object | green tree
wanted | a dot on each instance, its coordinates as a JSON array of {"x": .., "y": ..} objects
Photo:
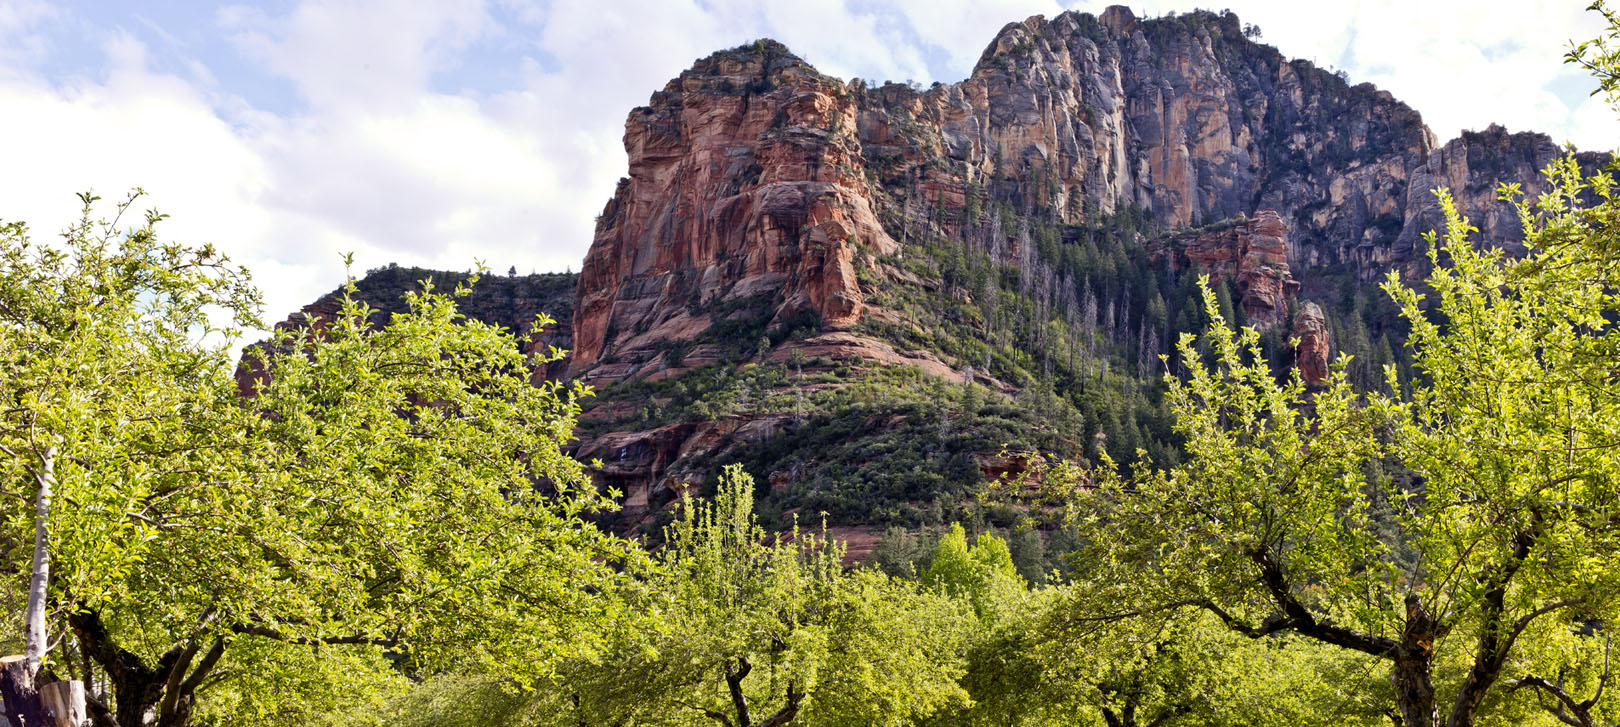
[
  {"x": 983, "y": 575},
  {"x": 1045, "y": 663},
  {"x": 1493, "y": 479},
  {"x": 391, "y": 489},
  {"x": 754, "y": 630},
  {"x": 899, "y": 553}
]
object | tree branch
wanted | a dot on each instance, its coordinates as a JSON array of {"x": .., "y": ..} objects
[
  {"x": 734, "y": 682},
  {"x": 119, "y": 663},
  {"x": 1603, "y": 681},
  {"x": 272, "y": 633},
  {"x": 711, "y": 714},
  {"x": 209, "y": 660},
  {"x": 171, "y": 685},
  {"x": 788, "y": 711},
  {"x": 1495, "y": 642},
  {"x": 1295, "y": 617},
  {"x": 1556, "y": 692}
]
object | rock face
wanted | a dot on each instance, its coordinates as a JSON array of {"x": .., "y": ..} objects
[
  {"x": 1253, "y": 254},
  {"x": 1311, "y": 355},
  {"x": 746, "y": 183},
  {"x": 1007, "y": 230},
  {"x": 652, "y": 468},
  {"x": 755, "y": 178}
]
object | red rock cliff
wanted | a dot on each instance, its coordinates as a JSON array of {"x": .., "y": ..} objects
[
  {"x": 754, "y": 177},
  {"x": 746, "y": 183},
  {"x": 1311, "y": 355},
  {"x": 1252, "y": 253}
]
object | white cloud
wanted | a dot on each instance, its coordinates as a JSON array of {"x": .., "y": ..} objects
[
  {"x": 20, "y": 38},
  {"x": 1597, "y": 119},
  {"x": 370, "y": 54},
  {"x": 133, "y": 129},
  {"x": 962, "y": 33}
]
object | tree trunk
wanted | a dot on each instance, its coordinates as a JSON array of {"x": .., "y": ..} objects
[
  {"x": 35, "y": 640},
  {"x": 734, "y": 680},
  {"x": 137, "y": 687},
  {"x": 65, "y": 704},
  {"x": 1414, "y": 690},
  {"x": 23, "y": 705},
  {"x": 1412, "y": 672},
  {"x": 31, "y": 703},
  {"x": 20, "y": 677}
]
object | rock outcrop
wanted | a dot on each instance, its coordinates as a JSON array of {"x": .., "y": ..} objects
[
  {"x": 746, "y": 183},
  {"x": 754, "y": 177},
  {"x": 651, "y": 468},
  {"x": 1311, "y": 354},
  {"x": 1252, "y": 253}
]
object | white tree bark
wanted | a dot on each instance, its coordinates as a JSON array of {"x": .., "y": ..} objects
[{"x": 35, "y": 638}]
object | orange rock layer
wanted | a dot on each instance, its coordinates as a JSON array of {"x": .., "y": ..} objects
[{"x": 1253, "y": 254}]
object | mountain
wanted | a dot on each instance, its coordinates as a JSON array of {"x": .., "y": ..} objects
[
  {"x": 880, "y": 298},
  {"x": 510, "y": 301}
]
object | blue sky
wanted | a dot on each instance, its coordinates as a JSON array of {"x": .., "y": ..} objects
[{"x": 440, "y": 133}]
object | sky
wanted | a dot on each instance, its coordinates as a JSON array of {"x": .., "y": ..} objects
[{"x": 444, "y": 134}]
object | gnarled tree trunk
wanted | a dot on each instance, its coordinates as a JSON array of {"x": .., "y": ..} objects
[
  {"x": 739, "y": 701},
  {"x": 1412, "y": 672}
]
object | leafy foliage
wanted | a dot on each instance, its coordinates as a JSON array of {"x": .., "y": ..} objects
[
  {"x": 1510, "y": 439},
  {"x": 755, "y": 629},
  {"x": 396, "y": 490}
]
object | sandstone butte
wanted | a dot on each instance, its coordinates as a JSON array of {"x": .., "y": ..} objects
[
  {"x": 756, "y": 180},
  {"x": 752, "y": 174}
]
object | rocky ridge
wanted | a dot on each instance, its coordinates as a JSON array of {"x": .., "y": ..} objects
[
  {"x": 752, "y": 174},
  {"x": 1253, "y": 254},
  {"x": 509, "y": 301},
  {"x": 775, "y": 219}
]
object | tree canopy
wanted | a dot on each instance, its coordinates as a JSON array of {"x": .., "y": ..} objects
[
  {"x": 758, "y": 630},
  {"x": 393, "y": 488},
  {"x": 1432, "y": 529}
]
